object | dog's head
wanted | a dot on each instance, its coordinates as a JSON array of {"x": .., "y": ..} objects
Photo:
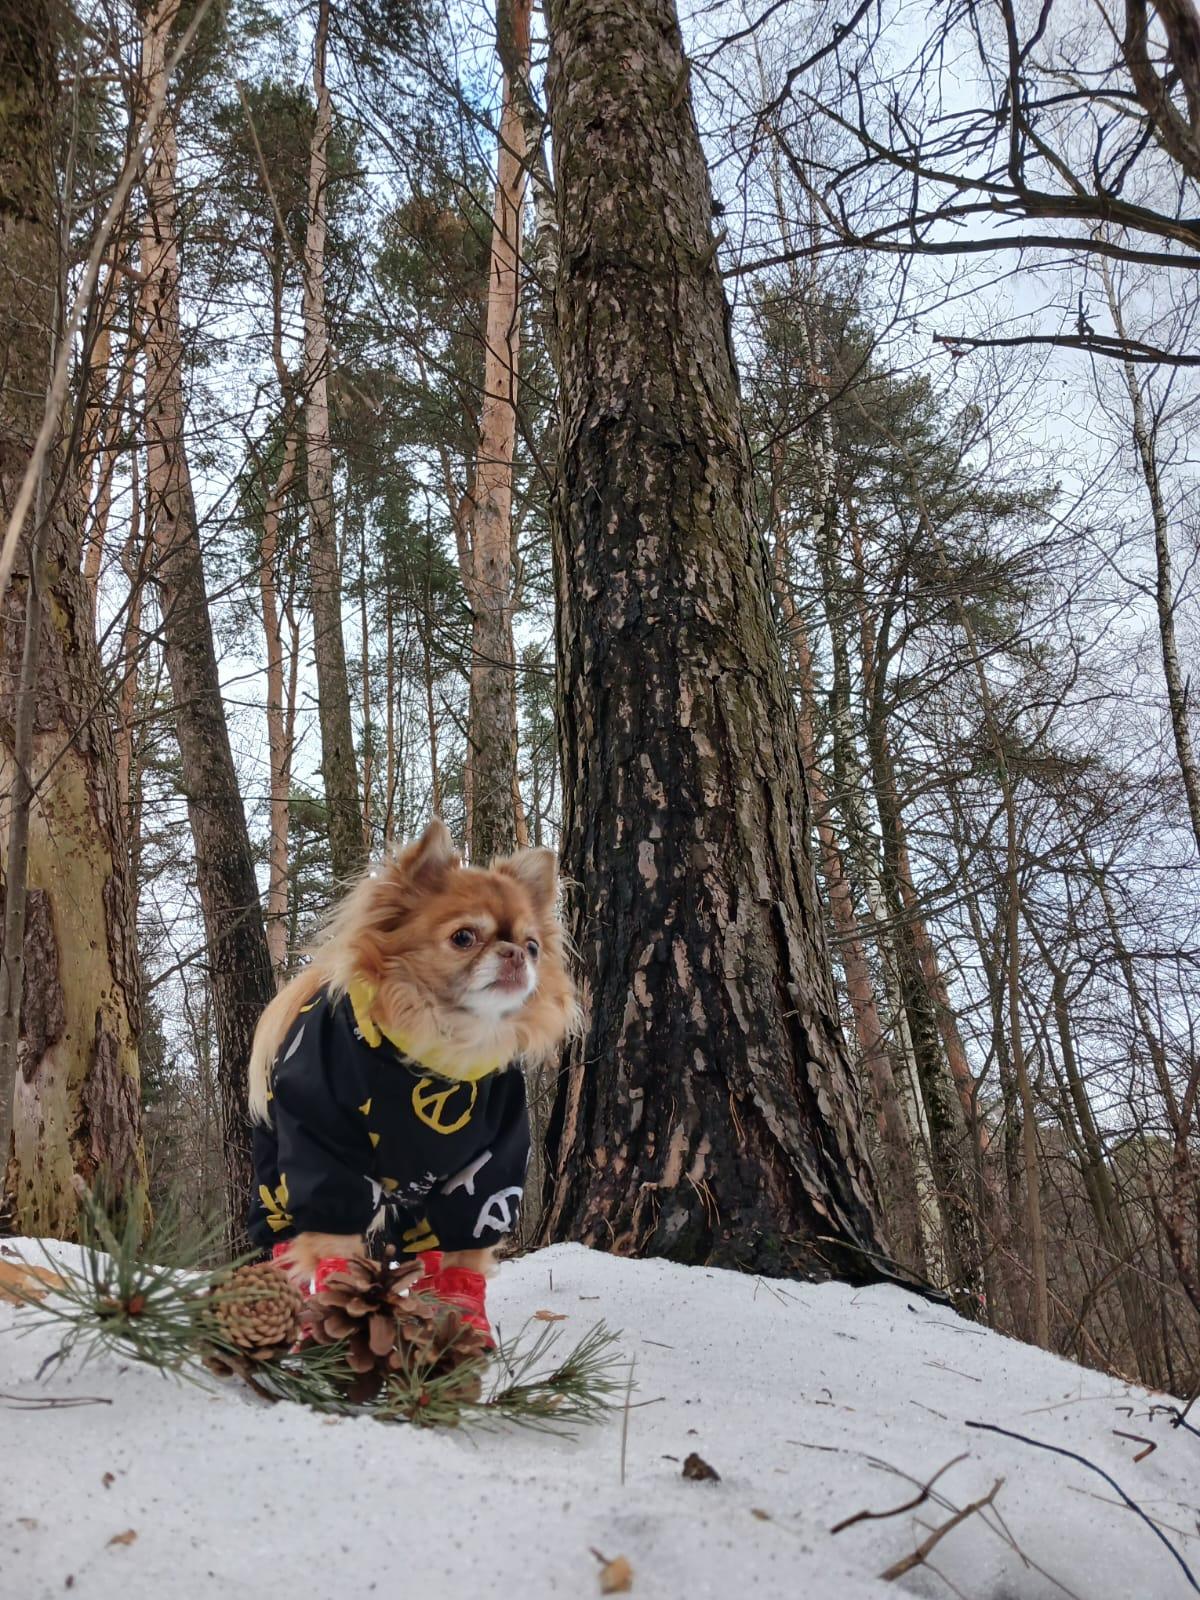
[{"x": 465, "y": 965}]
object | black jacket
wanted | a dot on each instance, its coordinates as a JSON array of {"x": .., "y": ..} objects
[{"x": 359, "y": 1133}]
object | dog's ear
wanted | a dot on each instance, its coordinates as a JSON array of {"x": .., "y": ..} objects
[
  {"x": 430, "y": 858},
  {"x": 537, "y": 872}
]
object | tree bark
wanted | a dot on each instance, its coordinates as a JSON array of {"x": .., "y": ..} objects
[
  {"x": 492, "y": 727},
  {"x": 279, "y": 739},
  {"x": 69, "y": 1084},
  {"x": 708, "y": 1112},
  {"x": 239, "y": 963},
  {"x": 346, "y": 844}
]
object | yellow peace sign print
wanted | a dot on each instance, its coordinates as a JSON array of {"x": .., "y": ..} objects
[{"x": 445, "y": 1107}]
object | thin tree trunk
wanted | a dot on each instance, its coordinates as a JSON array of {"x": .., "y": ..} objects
[
  {"x": 1110, "y": 1219},
  {"x": 102, "y": 433},
  {"x": 333, "y": 685},
  {"x": 389, "y": 717},
  {"x": 901, "y": 1190},
  {"x": 239, "y": 962},
  {"x": 1164, "y": 583},
  {"x": 278, "y": 742},
  {"x": 708, "y": 1112},
  {"x": 368, "y": 741},
  {"x": 133, "y": 564},
  {"x": 1179, "y": 1112},
  {"x": 492, "y": 725},
  {"x": 69, "y": 997}
]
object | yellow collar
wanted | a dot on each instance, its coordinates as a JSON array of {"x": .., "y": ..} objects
[{"x": 436, "y": 1059}]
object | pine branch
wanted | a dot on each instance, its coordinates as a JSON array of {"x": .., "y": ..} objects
[
  {"x": 128, "y": 1297},
  {"x": 153, "y": 1302}
]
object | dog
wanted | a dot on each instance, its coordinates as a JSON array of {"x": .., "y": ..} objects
[{"x": 383, "y": 1108}]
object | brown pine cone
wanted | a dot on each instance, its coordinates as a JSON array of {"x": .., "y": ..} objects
[
  {"x": 388, "y": 1330},
  {"x": 435, "y": 1340},
  {"x": 257, "y": 1312}
]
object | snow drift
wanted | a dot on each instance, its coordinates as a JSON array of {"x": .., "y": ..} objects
[{"x": 813, "y": 1403}]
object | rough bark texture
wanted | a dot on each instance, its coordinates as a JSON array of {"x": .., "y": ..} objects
[
  {"x": 346, "y": 844},
  {"x": 239, "y": 965},
  {"x": 708, "y": 1111},
  {"x": 493, "y": 716},
  {"x": 70, "y": 1073}
]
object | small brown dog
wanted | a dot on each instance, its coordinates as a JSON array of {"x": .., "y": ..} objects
[{"x": 377, "y": 1078}]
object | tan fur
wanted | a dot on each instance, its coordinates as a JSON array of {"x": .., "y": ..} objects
[{"x": 392, "y": 931}]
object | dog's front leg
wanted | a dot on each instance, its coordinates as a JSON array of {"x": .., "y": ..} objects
[{"x": 307, "y": 1249}]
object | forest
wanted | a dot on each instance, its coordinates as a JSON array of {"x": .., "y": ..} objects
[{"x": 747, "y": 449}]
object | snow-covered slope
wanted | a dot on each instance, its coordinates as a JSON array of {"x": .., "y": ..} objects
[{"x": 812, "y": 1402}]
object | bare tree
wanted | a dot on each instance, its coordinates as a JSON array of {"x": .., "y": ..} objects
[{"x": 238, "y": 960}]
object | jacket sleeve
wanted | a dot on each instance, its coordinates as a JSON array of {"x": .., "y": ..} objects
[
  {"x": 481, "y": 1203},
  {"x": 323, "y": 1156}
]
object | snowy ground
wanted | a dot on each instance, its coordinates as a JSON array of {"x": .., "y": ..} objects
[{"x": 813, "y": 1403}]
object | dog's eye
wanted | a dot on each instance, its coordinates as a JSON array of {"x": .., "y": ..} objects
[
  {"x": 463, "y": 939},
  {"x": 533, "y": 947}
]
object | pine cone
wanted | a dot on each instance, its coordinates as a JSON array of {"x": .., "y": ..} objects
[
  {"x": 435, "y": 1340},
  {"x": 256, "y": 1311},
  {"x": 388, "y": 1330}
]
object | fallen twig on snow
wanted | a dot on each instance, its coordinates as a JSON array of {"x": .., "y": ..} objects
[
  {"x": 51, "y": 1402},
  {"x": 1073, "y": 1455},
  {"x": 915, "y": 1559},
  {"x": 1138, "y": 1438},
  {"x": 909, "y": 1505}
]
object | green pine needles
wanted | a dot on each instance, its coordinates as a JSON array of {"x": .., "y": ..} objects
[{"x": 149, "y": 1298}]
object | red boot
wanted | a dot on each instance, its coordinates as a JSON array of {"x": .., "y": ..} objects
[{"x": 458, "y": 1287}]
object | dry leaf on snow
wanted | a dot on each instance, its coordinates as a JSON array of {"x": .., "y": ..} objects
[
  {"x": 696, "y": 1467},
  {"x": 127, "y": 1537},
  {"x": 20, "y": 1283},
  {"x": 616, "y": 1576},
  {"x": 549, "y": 1316}
]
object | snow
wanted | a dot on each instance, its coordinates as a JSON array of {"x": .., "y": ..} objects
[{"x": 813, "y": 1402}]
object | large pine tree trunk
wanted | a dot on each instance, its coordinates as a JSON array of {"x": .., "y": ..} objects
[
  {"x": 69, "y": 1090},
  {"x": 708, "y": 1112},
  {"x": 239, "y": 965},
  {"x": 346, "y": 844}
]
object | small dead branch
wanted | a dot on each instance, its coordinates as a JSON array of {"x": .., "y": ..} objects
[
  {"x": 917, "y": 1557},
  {"x": 51, "y": 1402},
  {"x": 909, "y": 1505},
  {"x": 1137, "y": 1438}
]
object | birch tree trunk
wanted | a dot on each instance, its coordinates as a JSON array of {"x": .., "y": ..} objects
[
  {"x": 708, "y": 1112},
  {"x": 69, "y": 1086},
  {"x": 239, "y": 963},
  {"x": 492, "y": 729},
  {"x": 333, "y": 685}
]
